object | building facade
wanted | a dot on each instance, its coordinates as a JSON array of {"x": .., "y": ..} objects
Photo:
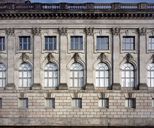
[{"x": 77, "y": 64}]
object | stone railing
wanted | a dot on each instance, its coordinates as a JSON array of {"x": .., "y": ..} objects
[{"x": 76, "y": 6}]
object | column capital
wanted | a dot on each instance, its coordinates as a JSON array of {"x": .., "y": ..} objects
[
  {"x": 115, "y": 31},
  {"x": 9, "y": 31},
  {"x": 89, "y": 31},
  {"x": 62, "y": 31},
  {"x": 142, "y": 31},
  {"x": 36, "y": 31}
]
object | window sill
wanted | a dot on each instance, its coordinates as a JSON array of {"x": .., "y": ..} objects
[
  {"x": 150, "y": 51},
  {"x": 102, "y": 88},
  {"x": 50, "y": 51},
  {"x": 129, "y": 51},
  {"x": 102, "y": 51},
  {"x": 3, "y": 52},
  {"x": 76, "y": 51},
  {"x": 24, "y": 51},
  {"x": 50, "y": 88}
]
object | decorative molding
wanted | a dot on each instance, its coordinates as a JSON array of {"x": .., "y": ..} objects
[
  {"x": 116, "y": 31},
  {"x": 152, "y": 58},
  {"x": 9, "y": 31},
  {"x": 50, "y": 57},
  {"x": 129, "y": 57},
  {"x": 36, "y": 31},
  {"x": 142, "y": 31},
  {"x": 102, "y": 57},
  {"x": 24, "y": 57},
  {"x": 89, "y": 31},
  {"x": 76, "y": 57},
  {"x": 62, "y": 31}
]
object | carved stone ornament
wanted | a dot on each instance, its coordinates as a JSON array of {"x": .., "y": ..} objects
[
  {"x": 129, "y": 57},
  {"x": 24, "y": 57},
  {"x": 102, "y": 57},
  {"x": 89, "y": 31},
  {"x": 50, "y": 57},
  {"x": 152, "y": 58},
  {"x": 76, "y": 57},
  {"x": 142, "y": 31},
  {"x": 62, "y": 31},
  {"x": 130, "y": 95},
  {"x": 9, "y": 31},
  {"x": 36, "y": 31},
  {"x": 116, "y": 31}
]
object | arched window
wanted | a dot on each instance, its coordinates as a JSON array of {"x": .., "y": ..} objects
[
  {"x": 25, "y": 75},
  {"x": 128, "y": 75},
  {"x": 77, "y": 75},
  {"x": 150, "y": 75},
  {"x": 51, "y": 75},
  {"x": 102, "y": 75},
  {"x": 2, "y": 75}
]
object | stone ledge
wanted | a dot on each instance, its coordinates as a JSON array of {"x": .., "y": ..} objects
[
  {"x": 116, "y": 86},
  {"x": 31, "y": 121}
]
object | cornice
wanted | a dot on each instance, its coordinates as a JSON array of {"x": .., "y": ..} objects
[{"x": 77, "y": 11}]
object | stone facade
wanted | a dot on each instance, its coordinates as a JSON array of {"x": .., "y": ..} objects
[{"x": 63, "y": 113}]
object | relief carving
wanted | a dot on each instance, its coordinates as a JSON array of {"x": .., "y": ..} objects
[
  {"x": 36, "y": 31},
  {"x": 116, "y": 31},
  {"x": 62, "y": 31},
  {"x": 89, "y": 31},
  {"x": 9, "y": 31}
]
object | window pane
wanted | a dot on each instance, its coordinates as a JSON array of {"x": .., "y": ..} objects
[
  {"x": 128, "y": 43},
  {"x": 102, "y": 43},
  {"x": 76, "y": 43},
  {"x": 24, "y": 42}
]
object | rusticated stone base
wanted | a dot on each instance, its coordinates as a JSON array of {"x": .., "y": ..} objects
[
  {"x": 76, "y": 122},
  {"x": 143, "y": 86},
  {"x": 63, "y": 86},
  {"x": 116, "y": 86}
]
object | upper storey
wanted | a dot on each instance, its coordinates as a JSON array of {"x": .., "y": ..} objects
[
  {"x": 12, "y": 1},
  {"x": 77, "y": 10}
]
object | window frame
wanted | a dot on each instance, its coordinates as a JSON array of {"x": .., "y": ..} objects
[
  {"x": 77, "y": 50},
  {"x": 4, "y": 75},
  {"x": 21, "y": 103},
  {"x": 103, "y": 103},
  {"x": 48, "y": 101},
  {"x": 134, "y": 45},
  {"x": 28, "y": 38},
  {"x": 53, "y": 71},
  {"x": 104, "y": 34},
  {"x": 130, "y": 103},
  {"x": 150, "y": 69},
  {"x": 125, "y": 77},
  {"x": 4, "y": 43},
  {"x": 148, "y": 40},
  {"x": 103, "y": 78},
  {"x": 21, "y": 78},
  {"x": 79, "y": 79},
  {"x": 77, "y": 103}
]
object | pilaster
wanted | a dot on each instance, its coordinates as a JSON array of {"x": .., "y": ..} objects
[
  {"x": 10, "y": 54},
  {"x": 62, "y": 57},
  {"x": 115, "y": 58},
  {"x": 36, "y": 55}
]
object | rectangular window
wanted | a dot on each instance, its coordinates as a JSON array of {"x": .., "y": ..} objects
[
  {"x": 103, "y": 103},
  {"x": 24, "y": 43},
  {"x": 130, "y": 102},
  {"x": 50, "y": 43},
  {"x": 50, "y": 102},
  {"x": 2, "y": 43},
  {"x": 76, "y": 43},
  {"x": 102, "y": 43},
  {"x": 151, "y": 43},
  {"x": 0, "y": 103},
  {"x": 77, "y": 103},
  {"x": 128, "y": 43},
  {"x": 23, "y": 103}
]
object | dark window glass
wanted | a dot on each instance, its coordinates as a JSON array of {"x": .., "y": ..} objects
[
  {"x": 102, "y": 43},
  {"x": 50, "y": 43},
  {"x": 76, "y": 43},
  {"x": 128, "y": 43},
  {"x": 24, "y": 42}
]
